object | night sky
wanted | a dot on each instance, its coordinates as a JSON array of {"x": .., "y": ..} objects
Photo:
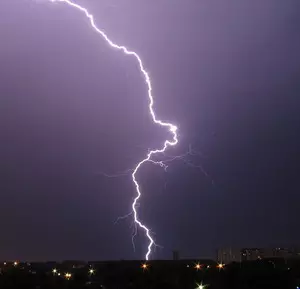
[{"x": 226, "y": 72}]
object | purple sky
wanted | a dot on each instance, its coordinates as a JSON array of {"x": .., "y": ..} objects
[{"x": 70, "y": 107}]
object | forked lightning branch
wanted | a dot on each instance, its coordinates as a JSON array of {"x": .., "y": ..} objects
[{"x": 172, "y": 128}]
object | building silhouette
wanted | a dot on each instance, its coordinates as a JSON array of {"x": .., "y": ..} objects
[{"x": 228, "y": 255}]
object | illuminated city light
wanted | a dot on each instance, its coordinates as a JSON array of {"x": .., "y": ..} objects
[
  {"x": 221, "y": 266},
  {"x": 91, "y": 271},
  {"x": 198, "y": 266},
  {"x": 68, "y": 276},
  {"x": 145, "y": 266},
  {"x": 201, "y": 286},
  {"x": 208, "y": 267},
  {"x": 16, "y": 263},
  {"x": 171, "y": 128},
  {"x": 4, "y": 263},
  {"x": 54, "y": 271}
]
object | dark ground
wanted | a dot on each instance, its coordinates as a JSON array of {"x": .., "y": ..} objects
[{"x": 181, "y": 274}]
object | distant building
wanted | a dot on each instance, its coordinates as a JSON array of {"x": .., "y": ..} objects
[
  {"x": 252, "y": 254},
  {"x": 175, "y": 255},
  {"x": 228, "y": 255}
]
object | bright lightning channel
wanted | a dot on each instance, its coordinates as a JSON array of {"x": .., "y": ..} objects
[{"x": 172, "y": 128}]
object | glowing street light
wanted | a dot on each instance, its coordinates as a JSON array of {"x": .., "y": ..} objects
[
  {"x": 221, "y": 266},
  {"x": 16, "y": 263},
  {"x": 91, "y": 271},
  {"x": 144, "y": 266},
  {"x": 201, "y": 286},
  {"x": 54, "y": 271},
  {"x": 68, "y": 276},
  {"x": 197, "y": 266}
]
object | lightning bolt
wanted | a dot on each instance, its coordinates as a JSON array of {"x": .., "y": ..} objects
[{"x": 171, "y": 127}]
